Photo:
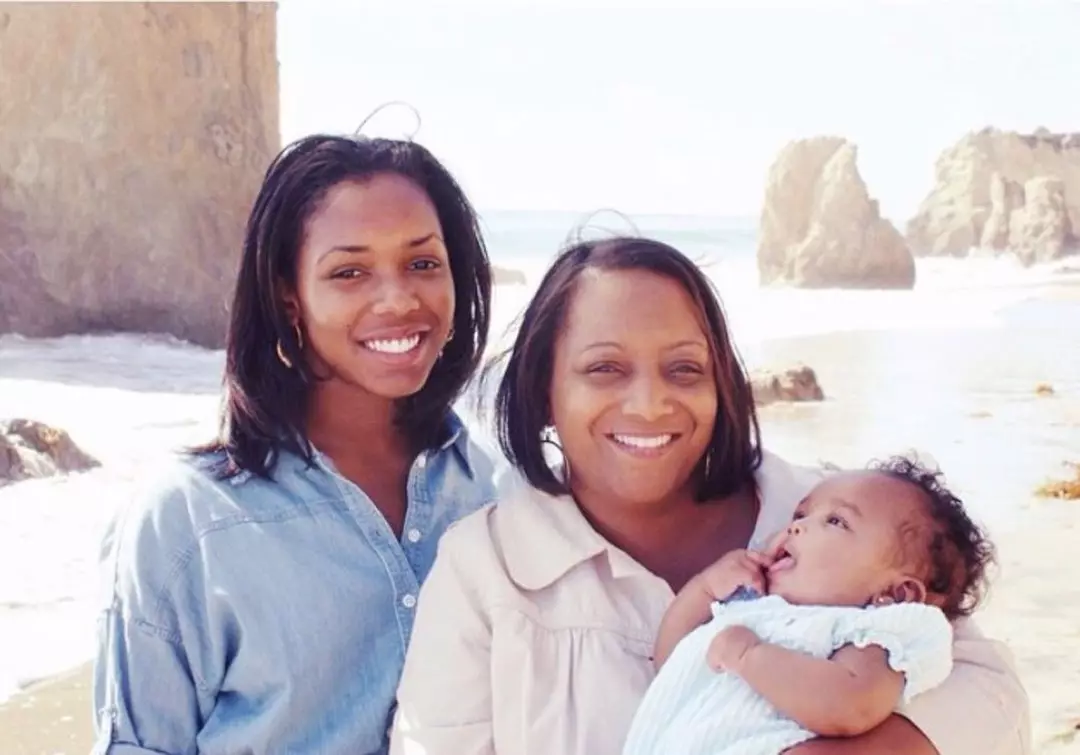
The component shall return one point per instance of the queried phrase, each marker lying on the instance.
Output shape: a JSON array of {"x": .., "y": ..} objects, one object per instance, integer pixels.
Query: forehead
[
  {"x": 385, "y": 204},
  {"x": 875, "y": 495},
  {"x": 630, "y": 307}
]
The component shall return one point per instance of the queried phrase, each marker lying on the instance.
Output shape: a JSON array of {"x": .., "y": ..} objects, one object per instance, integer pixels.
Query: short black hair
[
  {"x": 265, "y": 402},
  {"x": 523, "y": 399},
  {"x": 957, "y": 552}
]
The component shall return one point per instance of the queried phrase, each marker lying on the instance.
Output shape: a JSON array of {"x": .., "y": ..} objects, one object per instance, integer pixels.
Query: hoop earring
[
  {"x": 299, "y": 346},
  {"x": 708, "y": 462},
  {"x": 548, "y": 437},
  {"x": 449, "y": 338}
]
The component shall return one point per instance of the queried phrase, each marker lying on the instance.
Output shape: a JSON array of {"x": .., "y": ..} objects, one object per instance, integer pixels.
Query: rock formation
[
  {"x": 32, "y": 449},
  {"x": 135, "y": 136},
  {"x": 1004, "y": 192},
  {"x": 794, "y": 384},
  {"x": 819, "y": 227}
]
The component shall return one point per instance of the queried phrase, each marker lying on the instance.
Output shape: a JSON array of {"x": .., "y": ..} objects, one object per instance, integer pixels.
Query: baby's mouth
[{"x": 784, "y": 561}]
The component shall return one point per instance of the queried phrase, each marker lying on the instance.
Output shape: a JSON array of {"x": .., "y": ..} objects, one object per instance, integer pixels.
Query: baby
[{"x": 845, "y": 616}]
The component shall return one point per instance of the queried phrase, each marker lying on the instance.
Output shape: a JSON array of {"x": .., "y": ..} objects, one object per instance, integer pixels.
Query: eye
[
  {"x": 836, "y": 520},
  {"x": 687, "y": 368},
  {"x": 799, "y": 515},
  {"x": 603, "y": 368},
  {"x": 347, "y": 273},
  {"x": 425, "y": 265}
]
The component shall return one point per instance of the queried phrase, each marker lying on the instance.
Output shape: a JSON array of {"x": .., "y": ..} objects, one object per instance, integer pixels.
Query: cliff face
[
  {"x": 820, "y": 228},
  {"x": 1003, "y": 191},
  {"x": 134, "y": 138}
]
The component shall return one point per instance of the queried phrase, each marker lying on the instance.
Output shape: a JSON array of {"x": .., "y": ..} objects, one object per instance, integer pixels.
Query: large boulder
[
  {"x": 819, "y": 226},
  {"x": 33, "y": 449},
  {"x": 1002, "y": 191},
  {"x": 1041, "y": 230},
  {"x": 795, "y": 384},
  {"x": 135, "y": 136}
]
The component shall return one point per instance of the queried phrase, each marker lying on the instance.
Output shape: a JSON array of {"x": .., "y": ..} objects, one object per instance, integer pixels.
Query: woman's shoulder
[{"x": 179, "y": 498}]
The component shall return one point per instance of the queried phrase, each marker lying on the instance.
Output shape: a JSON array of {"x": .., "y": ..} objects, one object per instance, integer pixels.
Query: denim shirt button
[
  {"x": 409, "y": 601},
  {"x": 413, "y": 535},
  {"x": 421, "y": 460}
]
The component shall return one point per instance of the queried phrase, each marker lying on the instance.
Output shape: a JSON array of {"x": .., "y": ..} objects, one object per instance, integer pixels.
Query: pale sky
[{"x": 677, "y": 111}]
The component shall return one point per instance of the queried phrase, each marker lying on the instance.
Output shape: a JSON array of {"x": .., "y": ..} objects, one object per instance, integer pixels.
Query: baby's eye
[
  {"x": 798, "y": 515},
  {"x": 837, "y": 521}
]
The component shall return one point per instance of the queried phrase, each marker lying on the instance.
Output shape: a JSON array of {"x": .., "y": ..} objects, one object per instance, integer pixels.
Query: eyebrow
[
  {"x": 672, "y": 347},
  {"x": 849, "y": 506},
  {"x": 361, "y": 248}
]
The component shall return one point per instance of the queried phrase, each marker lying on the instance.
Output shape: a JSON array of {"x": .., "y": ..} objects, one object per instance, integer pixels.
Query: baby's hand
[
  {"x": 737, "y": 568},
  {"x": 729, "y": 647}
]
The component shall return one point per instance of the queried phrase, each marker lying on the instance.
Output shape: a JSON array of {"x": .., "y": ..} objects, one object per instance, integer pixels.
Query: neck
[
  {"x": 344, "y": 420},
  {"x": 674, "y": 538}
]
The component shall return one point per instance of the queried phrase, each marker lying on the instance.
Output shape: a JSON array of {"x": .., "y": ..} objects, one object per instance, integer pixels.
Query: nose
[
  {"x": 647, "y": 398},
  {"x": 395, "y": 297},
  {"x": 795, "y": 528}
]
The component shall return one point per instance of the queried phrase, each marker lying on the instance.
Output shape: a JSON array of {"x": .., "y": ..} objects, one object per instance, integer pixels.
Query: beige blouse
[{"x": 533, "y": 636}]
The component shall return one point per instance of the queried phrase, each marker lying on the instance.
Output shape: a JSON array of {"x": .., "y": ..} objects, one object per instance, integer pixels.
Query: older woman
[{"x": 535, "y": 629}]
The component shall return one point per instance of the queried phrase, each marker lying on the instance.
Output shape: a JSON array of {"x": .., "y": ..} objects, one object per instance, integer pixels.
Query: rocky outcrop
[
  {"x": 819, "y": 226},
  {"x": 31, "y": 449},
  {"x": 794, "y": 384},
  {"x": 135, "y": 136},
  {"x": 1004, "y": 192},
  {"x": 508, "y": 276}
]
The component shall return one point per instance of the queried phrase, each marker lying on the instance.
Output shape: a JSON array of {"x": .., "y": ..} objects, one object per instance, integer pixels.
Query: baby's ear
[{"x": 907, "y": 590}]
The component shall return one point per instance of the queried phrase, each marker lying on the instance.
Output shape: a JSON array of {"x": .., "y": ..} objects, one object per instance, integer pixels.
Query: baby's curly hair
[{"x": 957, "y": 551}]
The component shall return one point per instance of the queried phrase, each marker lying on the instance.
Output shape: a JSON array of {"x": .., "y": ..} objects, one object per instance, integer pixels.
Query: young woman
[
  {"x": 535, "y": 631},
  {"x": 262, "y": 590}
]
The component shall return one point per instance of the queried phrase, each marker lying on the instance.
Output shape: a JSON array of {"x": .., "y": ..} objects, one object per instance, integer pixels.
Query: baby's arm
[
  {"x": 842, "y": 696},
  {"x": 687, "y": 612},
  {"x": 691, "y": 607}
]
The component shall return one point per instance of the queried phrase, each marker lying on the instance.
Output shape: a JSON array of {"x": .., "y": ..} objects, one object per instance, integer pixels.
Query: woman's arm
[
  {"x": 897, "y": 736},
  {"x": 981, "y": 707},
  {"x": 444, "y": 699},
  {"x": 148, "y": 695}
]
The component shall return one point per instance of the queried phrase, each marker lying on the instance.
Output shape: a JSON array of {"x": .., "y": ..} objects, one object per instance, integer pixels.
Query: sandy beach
[{"x": 51, "y": 717}]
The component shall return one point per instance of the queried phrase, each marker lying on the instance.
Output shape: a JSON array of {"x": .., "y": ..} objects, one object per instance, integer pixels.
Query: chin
[{"x": 644, "y": 495}]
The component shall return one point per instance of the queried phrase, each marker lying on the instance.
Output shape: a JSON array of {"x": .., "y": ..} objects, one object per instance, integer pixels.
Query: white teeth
[
  {"x": 394, "y": 345},
  {"x": 644, "y": 441}
]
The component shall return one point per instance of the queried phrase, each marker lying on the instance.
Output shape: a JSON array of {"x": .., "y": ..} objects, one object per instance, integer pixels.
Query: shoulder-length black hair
[
  {"x": 265, "y": 402},
  {"x": 523, "y": 398}
]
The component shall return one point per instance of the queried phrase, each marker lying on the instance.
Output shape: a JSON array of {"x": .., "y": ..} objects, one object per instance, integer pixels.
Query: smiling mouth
[
  {"x": 643, "y": 445},
  {"x": 394, "y": 346}
]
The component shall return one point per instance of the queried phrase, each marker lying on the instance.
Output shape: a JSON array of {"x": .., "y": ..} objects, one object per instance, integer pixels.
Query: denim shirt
[{"x": 255, "y": 616}]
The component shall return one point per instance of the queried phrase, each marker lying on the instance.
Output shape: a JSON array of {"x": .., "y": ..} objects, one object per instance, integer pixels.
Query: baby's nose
[{"x": 795, "y": 528}]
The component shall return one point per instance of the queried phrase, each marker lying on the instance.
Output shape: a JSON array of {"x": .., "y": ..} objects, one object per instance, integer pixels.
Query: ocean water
[{"x": 950, "y": 368}]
